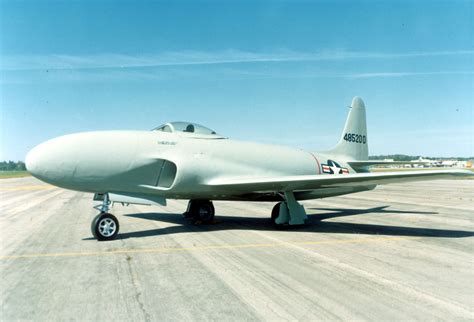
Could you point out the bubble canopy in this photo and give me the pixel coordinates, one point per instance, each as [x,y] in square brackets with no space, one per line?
[185,127]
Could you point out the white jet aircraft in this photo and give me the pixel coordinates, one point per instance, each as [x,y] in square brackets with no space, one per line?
[183,160]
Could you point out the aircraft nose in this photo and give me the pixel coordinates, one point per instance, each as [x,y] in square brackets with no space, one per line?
[46,162]
[88,161]
[31,161]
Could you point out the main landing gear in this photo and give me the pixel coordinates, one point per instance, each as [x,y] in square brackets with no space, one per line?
[105,226]
[201,211]
[288,212]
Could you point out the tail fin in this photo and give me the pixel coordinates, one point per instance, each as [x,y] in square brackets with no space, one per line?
[354,142]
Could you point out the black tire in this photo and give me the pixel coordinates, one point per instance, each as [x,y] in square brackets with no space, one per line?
[105,226]
[204,212]
[275,214]
[188,214]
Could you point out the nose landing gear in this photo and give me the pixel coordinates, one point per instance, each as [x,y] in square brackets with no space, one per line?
[105,226]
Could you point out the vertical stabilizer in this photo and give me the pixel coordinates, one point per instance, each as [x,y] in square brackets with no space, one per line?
[353,144]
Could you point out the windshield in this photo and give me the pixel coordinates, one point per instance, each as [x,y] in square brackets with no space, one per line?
[186,127]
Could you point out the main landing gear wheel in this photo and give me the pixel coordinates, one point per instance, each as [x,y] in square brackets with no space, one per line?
[105,226]
[201,211]
[205,212]
[275,214]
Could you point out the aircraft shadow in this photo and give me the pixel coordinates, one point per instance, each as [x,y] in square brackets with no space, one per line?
[315,223]
[342,212]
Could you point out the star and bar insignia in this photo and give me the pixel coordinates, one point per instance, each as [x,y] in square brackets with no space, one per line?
[332,167]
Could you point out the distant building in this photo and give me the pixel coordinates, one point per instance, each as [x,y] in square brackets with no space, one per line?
[425,163]
[461,164]
[449,163]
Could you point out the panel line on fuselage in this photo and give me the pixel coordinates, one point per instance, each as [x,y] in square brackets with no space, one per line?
[317,161]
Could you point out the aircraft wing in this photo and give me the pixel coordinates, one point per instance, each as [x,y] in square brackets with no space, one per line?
[313,182]
[362,165]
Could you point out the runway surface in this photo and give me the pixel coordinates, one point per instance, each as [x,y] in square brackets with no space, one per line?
[401,252]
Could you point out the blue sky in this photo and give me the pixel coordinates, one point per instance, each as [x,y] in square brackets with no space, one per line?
[272,71]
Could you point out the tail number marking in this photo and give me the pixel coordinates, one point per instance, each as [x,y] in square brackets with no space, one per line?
[356,138]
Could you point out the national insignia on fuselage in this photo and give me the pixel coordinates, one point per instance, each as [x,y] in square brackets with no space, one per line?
[332,167]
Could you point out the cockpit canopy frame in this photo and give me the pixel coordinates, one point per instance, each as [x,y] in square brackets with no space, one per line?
[186,128]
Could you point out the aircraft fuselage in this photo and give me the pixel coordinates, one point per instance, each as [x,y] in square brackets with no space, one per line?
[172,165]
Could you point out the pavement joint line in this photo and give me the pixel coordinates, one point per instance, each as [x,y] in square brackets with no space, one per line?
[204,248]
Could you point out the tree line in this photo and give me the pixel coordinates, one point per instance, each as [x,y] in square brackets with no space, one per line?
[12,166]
[404,158]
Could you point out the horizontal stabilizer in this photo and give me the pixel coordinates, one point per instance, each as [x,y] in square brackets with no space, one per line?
[313,182]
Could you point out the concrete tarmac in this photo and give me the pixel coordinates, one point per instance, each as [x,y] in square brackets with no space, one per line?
[401,252]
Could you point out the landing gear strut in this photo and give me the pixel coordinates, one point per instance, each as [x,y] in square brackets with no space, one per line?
[105,226]
[201,211]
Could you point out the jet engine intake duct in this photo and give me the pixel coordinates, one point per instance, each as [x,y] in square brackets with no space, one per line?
[167,174]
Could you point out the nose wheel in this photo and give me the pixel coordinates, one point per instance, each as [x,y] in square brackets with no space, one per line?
[105,226]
